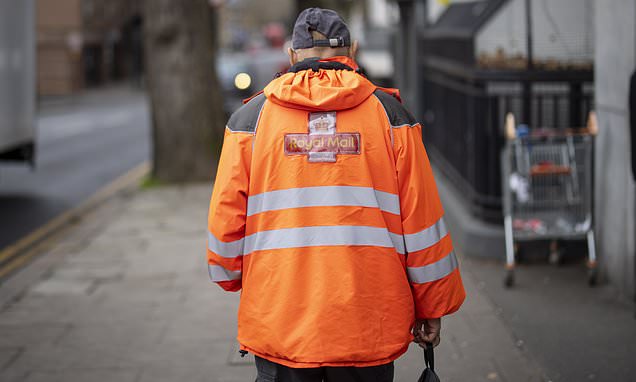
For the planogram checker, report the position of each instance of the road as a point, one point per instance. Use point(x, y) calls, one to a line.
point(84, 142)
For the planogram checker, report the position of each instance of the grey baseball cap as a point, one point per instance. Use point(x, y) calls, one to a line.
point(325, 21)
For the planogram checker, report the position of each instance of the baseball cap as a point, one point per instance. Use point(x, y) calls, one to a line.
point(324, 21)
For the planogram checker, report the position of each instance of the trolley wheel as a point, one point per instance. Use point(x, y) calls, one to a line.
point(592, 277)
point(556, 255)
point(555, 258)
point(509, 280)
point(519, 253)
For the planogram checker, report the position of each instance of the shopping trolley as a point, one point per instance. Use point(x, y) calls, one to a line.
point(547, 184)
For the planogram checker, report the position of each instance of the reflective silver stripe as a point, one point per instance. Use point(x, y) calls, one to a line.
point(388, 202)
point(322, 197)
point(427, 237)
point(318, 236)
point(218, 273)
point(223, 249)
point(398, 243)
point(435, 271)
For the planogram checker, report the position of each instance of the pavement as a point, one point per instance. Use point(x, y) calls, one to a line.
point(123, 295)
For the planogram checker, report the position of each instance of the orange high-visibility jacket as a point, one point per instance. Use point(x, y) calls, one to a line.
point(325, 212)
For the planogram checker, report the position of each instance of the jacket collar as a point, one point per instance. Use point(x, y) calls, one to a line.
point(335, 63)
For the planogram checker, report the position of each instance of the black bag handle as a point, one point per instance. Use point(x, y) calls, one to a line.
point(429, 358)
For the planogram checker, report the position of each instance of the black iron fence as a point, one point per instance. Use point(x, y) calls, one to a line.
point(464, 111)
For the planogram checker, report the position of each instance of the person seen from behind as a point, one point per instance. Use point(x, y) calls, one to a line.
point(325, 214)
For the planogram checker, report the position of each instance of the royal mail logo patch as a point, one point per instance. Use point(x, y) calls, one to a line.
point(323, 143)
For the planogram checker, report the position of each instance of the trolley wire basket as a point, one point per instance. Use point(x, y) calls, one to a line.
point(547, 187)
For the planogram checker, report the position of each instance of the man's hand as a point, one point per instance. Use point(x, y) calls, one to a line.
point(427, 331)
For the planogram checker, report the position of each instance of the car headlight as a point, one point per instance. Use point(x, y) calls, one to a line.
point(242, 81)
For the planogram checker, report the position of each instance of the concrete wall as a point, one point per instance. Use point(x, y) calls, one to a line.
point(563, 30)
point(615, 213)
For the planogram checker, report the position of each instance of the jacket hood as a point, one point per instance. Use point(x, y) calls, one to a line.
point(320, 85)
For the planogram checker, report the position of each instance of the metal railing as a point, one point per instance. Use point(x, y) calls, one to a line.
point(463, 112)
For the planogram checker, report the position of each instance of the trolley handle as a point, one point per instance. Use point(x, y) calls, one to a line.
point(592, 124)
point(511, 131)
point(590, 129)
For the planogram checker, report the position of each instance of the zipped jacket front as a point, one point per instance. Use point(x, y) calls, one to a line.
point(326, 214)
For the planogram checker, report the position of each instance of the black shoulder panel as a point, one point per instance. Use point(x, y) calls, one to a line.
point(246, 117)
point(397, 113)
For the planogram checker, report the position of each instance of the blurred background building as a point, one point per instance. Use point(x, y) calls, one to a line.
point(87, 43)
point(83, 43)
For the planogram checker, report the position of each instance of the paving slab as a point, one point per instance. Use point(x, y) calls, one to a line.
point(84, 375)
point(8, 355)
point(12, 376)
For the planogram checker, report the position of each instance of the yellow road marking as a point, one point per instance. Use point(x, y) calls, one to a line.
point(15, 254)
point(18, 261)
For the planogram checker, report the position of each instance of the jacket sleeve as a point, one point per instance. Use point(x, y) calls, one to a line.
point(228, 208)
point(432, 266)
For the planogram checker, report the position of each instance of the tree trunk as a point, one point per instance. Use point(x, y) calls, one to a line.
point(187, 112)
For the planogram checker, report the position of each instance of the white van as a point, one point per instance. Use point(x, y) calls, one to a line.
point(17, 80)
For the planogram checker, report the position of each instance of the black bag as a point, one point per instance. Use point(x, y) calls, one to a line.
point(428, 375)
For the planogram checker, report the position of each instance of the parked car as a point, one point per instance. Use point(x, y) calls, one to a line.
point(235, 77)
point(242, 74)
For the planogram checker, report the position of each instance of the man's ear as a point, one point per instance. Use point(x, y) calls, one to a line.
point(293, 58)
point(353, 51)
